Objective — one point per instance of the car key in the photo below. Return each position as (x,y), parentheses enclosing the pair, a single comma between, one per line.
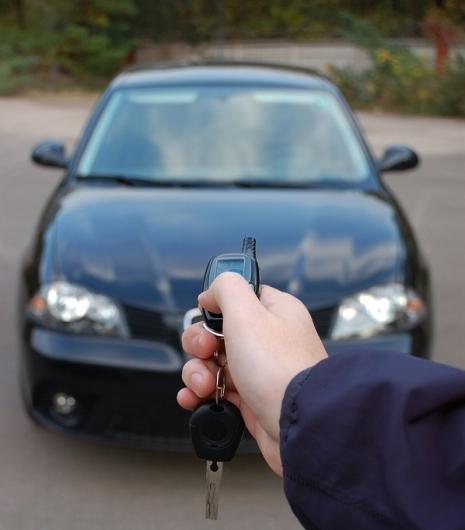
(217,426)
(216,430)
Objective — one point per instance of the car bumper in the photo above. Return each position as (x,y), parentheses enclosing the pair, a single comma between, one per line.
(415,341)
(126,390)
(401,342)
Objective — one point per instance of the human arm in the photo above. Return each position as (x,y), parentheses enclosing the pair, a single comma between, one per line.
(375,440)
(368,440)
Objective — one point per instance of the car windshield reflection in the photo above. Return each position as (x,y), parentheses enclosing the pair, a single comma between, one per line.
(256,137)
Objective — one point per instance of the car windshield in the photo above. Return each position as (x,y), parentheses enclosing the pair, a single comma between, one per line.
(225,135)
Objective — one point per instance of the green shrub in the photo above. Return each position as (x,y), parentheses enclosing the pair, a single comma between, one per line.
(62,43)
(16,73)
(451,89)
(400,81)
(84,53)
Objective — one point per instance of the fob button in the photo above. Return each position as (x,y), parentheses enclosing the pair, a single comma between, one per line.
(215,430)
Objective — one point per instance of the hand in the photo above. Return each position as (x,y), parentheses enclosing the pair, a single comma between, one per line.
(267,343)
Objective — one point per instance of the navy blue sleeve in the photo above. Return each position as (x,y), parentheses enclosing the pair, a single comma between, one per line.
(373,441)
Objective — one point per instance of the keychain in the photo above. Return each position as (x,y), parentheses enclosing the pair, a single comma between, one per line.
(217,426)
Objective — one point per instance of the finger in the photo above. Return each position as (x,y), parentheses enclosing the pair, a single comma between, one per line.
(249,419)
(233,397)
(190,401)
(190,338)
(273,299)
(198,342)
(269,295)
(231,295)
(200,377)
(187,399)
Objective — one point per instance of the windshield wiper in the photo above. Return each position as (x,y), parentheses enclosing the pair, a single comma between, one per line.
(258,183)
(294,184)
(127,180)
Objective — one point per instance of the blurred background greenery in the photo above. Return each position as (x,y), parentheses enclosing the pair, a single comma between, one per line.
(63,44)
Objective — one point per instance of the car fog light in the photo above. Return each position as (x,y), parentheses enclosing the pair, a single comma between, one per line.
(64,404)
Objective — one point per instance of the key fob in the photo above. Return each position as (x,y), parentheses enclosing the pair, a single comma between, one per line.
(244,263)
(216,430)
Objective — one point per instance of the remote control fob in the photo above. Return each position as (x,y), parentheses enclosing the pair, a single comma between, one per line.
(243,263)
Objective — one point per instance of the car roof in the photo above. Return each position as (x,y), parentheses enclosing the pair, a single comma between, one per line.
(220,73)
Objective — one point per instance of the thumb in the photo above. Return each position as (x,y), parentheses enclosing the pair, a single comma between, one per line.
(231,295)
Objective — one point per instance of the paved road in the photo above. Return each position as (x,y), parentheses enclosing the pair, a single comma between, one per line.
(49,482)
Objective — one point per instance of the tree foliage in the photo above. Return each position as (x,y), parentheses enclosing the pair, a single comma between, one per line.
(202,20)
(80,38)
(89,40)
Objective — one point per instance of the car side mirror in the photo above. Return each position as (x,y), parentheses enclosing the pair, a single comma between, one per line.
(398,158)
(50,153)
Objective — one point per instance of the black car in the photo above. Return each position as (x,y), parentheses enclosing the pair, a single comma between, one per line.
(177,164)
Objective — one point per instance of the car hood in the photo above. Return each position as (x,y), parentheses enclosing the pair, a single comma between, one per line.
(148,247)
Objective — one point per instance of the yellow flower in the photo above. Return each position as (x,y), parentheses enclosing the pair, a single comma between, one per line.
(396,67)
(383,56)
(423,94)
(370,87)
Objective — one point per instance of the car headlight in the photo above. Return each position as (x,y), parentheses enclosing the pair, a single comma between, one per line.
(379,309)
(76,309)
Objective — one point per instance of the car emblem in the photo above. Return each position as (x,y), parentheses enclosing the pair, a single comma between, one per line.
(191,317)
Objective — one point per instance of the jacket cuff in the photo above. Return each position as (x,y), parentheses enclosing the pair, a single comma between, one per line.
(289,405)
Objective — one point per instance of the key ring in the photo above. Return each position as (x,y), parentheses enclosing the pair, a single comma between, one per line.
(220,379)
(220,385)
(216,356)
(212,331)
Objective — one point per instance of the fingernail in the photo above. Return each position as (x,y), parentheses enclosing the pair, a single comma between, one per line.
(201,295)
(196,381)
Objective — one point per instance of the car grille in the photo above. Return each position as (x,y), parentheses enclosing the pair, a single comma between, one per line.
(144,324)
(323,318)
(149,325)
